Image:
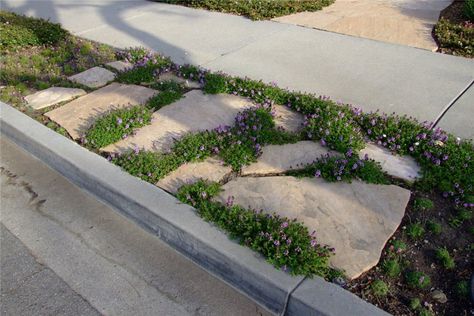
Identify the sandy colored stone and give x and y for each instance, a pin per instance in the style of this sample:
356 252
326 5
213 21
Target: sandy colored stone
194 113
52 96
77 116
120 65
169 76
287 119
93 78
406 22
403 167
281 158
210 169
357 218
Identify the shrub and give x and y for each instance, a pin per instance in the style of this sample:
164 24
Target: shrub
423 204
392 267
285 243
455 38
116 125
469 9
379 288
417 279
415 231
442 254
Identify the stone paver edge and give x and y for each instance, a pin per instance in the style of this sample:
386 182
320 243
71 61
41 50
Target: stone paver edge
177 224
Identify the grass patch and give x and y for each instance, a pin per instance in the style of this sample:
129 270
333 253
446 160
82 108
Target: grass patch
116 125
255 9
285 243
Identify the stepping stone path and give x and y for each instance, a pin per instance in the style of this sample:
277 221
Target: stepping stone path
280 158
403 167
287 119
194 113
357 218
120 65
52 96
79 115
93 78
169 76
210 169
406 22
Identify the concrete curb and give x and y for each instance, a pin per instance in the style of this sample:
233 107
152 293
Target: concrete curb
179 226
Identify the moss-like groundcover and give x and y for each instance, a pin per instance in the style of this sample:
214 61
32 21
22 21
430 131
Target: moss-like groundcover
255 9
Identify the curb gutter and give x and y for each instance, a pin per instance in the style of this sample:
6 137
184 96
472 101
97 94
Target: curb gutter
179 226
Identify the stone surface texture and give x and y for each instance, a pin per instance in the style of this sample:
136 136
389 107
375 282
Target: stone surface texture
169 76
78 115
193 113
355 218
406 22
93 78
210 169
403 167
288 119
120 65
52 96
281 158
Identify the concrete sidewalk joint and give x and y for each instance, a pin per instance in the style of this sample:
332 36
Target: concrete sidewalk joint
179 225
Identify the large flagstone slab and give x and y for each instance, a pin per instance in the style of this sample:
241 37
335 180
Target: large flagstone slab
77 116
51 96
288 119
357 218
120 65
93 78
403 167
281 158
211 169
194 113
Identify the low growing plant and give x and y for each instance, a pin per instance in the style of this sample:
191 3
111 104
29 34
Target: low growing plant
163 98
417 279
116 125
455 38
392 268
442 254
423 204
379 288
462 288
285 243
415 231
434 227
415 304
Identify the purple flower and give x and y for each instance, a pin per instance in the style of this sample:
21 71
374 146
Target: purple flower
323 142
318 173
201 148
288 241
338 178
119 121
276 243
284 225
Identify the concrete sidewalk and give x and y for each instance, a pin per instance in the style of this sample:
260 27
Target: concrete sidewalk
367 73
65 253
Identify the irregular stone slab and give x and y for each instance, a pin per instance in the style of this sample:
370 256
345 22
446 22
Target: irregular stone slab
93 78
281 158
78 116
357 218
210 169
403 167
407 22
169 76
120 65
289 120
194 113
52 96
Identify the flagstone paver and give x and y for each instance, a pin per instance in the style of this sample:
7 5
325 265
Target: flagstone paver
120 65
193 113
211 169
287 119
280 158
169 76
403 167
357 218
94 77
78 115
407 22
52 96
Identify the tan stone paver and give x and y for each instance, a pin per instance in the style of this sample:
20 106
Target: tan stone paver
280 158
51 96
403 167
78 115
194 113
357 218
120 65
288 119
211 169
94 77
169 76
406 22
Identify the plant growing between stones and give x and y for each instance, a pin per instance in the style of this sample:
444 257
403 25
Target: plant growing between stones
423 204
392 268
285 243
443 256
415 231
